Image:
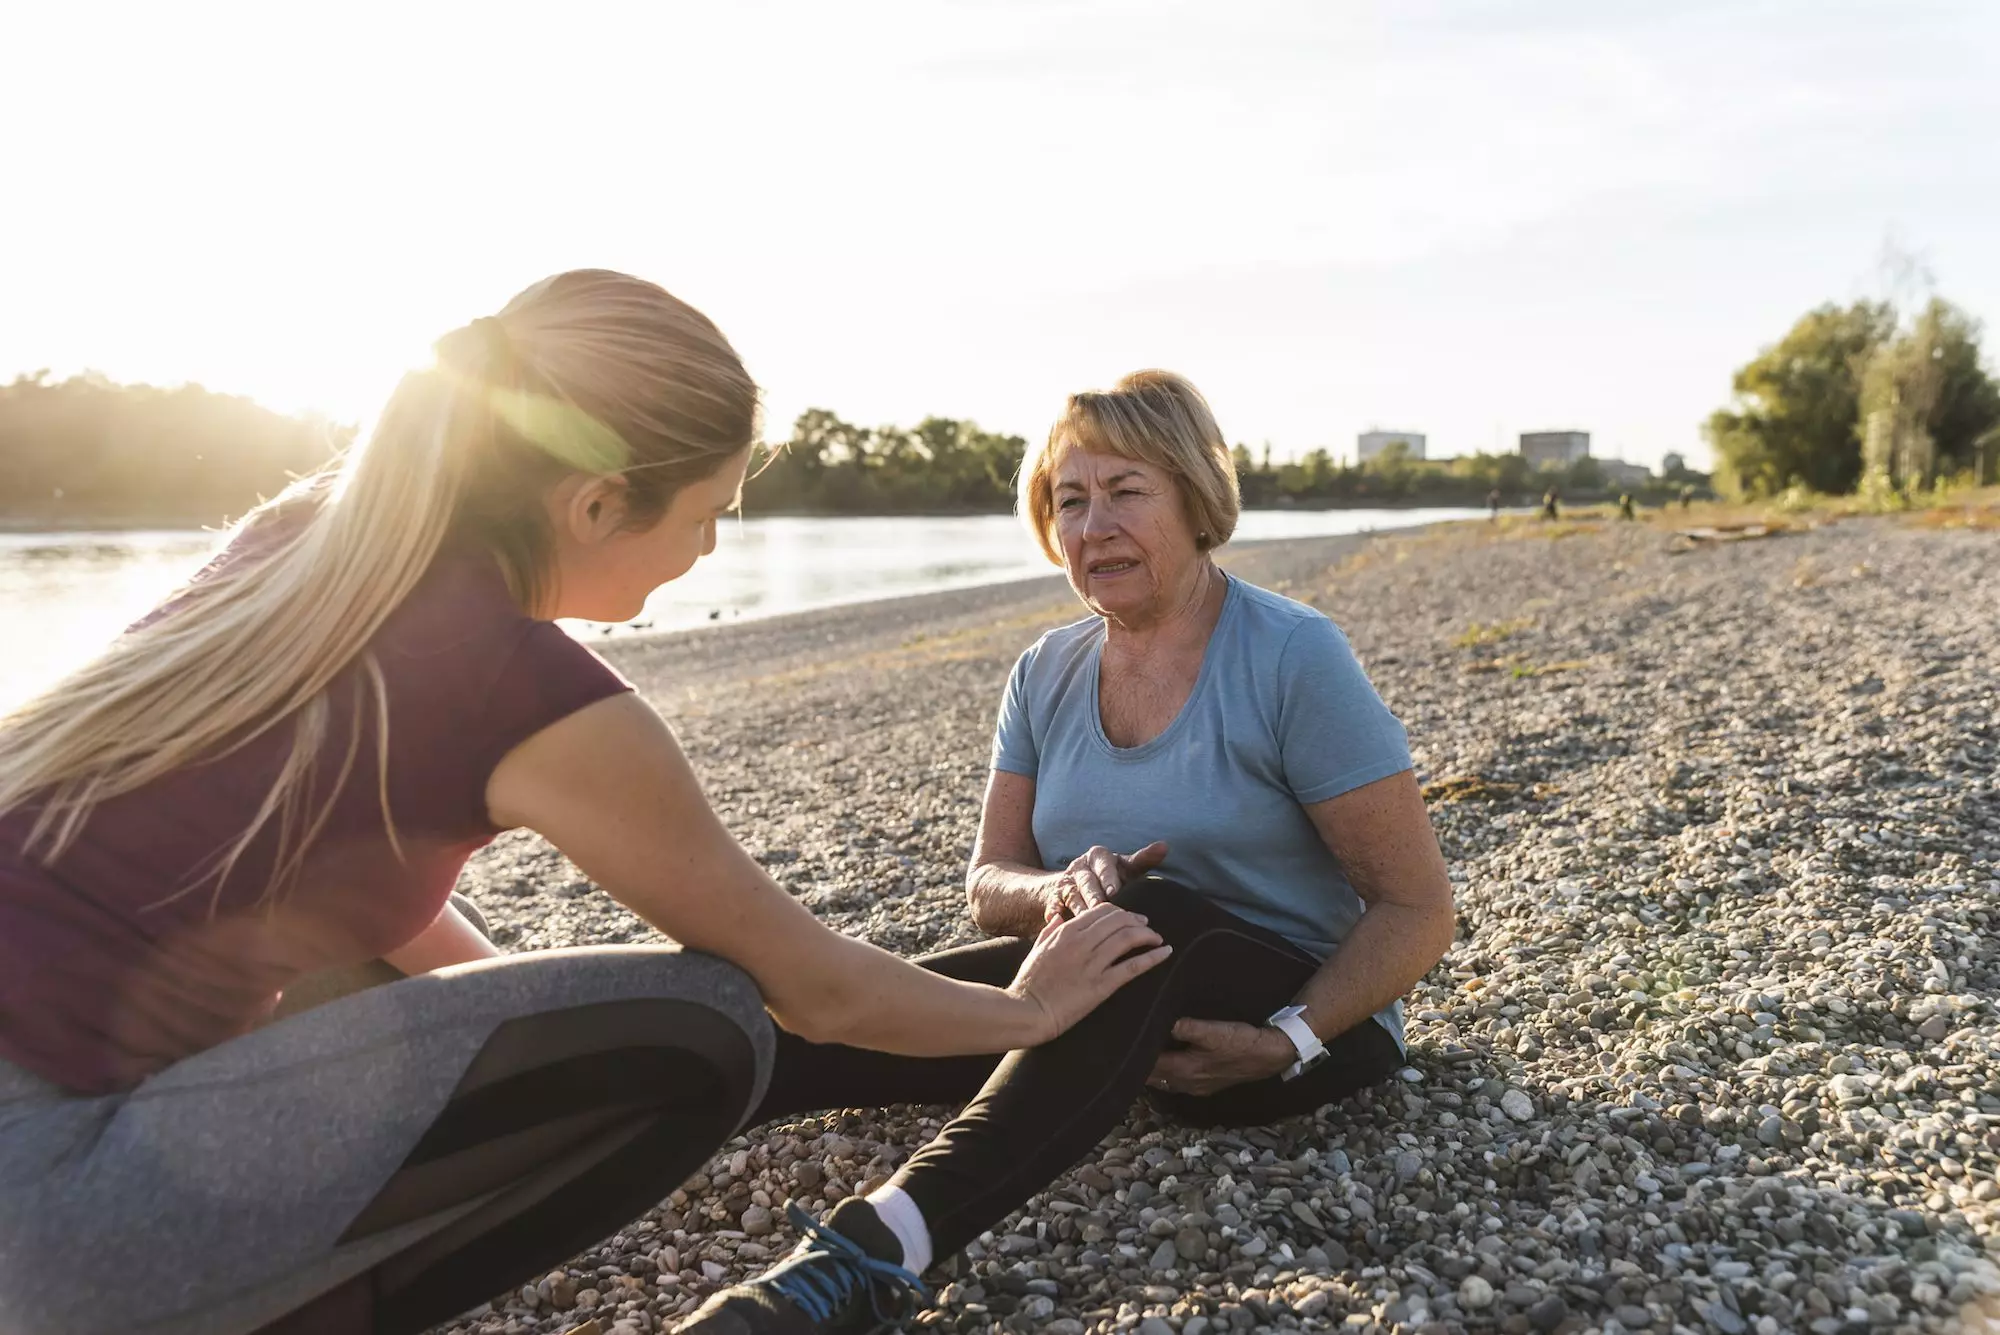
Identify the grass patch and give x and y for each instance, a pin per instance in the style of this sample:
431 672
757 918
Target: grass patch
1479 788
1959 516
1520 665
1470 788
1948 506
1481 633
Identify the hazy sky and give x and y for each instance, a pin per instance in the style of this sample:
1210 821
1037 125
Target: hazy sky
1464 218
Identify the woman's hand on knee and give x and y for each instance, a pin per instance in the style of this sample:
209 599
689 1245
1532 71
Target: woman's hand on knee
1078 962
1097 874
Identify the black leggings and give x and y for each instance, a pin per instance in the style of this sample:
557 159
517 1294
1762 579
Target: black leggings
515 1111
1032 1114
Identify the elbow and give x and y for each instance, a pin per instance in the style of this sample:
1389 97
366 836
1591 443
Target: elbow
831 1018
978 904
1443 932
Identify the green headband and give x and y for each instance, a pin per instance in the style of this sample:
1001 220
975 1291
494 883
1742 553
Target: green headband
563 431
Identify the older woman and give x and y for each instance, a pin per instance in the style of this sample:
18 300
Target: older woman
1227 738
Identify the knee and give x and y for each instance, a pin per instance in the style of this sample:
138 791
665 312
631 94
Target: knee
1170 908
657 997
723 987
731 994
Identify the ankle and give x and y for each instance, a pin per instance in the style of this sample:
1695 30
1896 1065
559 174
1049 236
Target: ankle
895 1209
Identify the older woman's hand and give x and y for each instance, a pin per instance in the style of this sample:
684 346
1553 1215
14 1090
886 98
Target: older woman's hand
1218 1054
1096 874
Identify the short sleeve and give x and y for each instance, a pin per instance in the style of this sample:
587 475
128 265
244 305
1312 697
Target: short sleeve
547 677
1334 732
1014 748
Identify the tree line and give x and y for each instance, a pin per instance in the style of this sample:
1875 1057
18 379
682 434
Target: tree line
87 451
1394 478
831 466
1862 398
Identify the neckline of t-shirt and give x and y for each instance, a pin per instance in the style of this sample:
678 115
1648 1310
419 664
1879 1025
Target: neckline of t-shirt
1230 597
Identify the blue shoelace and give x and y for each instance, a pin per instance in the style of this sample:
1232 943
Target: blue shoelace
824 1275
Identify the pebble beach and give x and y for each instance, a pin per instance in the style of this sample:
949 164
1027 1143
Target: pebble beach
1716 1047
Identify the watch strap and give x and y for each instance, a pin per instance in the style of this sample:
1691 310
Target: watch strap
1291 1023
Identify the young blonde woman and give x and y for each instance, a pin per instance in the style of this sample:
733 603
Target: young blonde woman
283 770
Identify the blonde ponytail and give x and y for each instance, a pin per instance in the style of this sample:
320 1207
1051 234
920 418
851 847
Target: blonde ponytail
587 371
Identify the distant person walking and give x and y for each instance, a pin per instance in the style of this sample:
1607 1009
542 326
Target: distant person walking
1493 504
1551 504
1687 497
1625 511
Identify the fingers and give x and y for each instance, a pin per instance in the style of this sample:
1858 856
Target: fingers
1095 875
1072 893
1173 1071
1202 1033
1130 967
1108 918
1105 874
1147 858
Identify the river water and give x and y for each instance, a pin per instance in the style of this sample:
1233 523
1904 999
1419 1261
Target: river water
64 595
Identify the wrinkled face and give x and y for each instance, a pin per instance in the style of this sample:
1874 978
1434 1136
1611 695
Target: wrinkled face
606 571
1128 546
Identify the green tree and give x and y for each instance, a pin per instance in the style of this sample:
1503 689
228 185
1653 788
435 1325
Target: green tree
1967 407
87 450
1798 405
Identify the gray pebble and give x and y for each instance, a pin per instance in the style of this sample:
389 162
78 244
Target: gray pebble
1548 1313
1692 887
1724 1318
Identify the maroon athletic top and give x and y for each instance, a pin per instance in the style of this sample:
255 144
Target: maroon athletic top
107 974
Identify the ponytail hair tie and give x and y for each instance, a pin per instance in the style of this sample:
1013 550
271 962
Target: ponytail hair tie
482 349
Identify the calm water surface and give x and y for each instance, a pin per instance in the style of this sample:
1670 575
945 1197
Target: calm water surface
63 595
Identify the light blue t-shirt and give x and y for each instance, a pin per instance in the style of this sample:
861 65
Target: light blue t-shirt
1281 716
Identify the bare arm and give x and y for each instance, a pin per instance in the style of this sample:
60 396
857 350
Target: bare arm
610 787
1009 892
1382 835
1006 887
449 940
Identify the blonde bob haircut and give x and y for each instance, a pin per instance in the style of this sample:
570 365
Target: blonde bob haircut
1156 417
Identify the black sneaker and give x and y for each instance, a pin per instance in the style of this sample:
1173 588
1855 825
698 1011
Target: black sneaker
838 1279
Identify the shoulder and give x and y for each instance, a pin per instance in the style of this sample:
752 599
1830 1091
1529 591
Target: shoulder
1280 630
1058 651
461 625
460 605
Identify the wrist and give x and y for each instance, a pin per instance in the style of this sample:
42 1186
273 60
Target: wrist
1275 1051
1289 1023
1034 1023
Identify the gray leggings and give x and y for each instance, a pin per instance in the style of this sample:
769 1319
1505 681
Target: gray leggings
372 1163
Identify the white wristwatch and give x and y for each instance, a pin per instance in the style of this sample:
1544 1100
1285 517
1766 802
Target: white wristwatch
1290 1023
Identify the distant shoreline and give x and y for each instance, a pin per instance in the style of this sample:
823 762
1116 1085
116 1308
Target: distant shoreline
182 524
91 524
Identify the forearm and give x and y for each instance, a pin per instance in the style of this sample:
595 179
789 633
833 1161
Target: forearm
449 940
866 997
828 987
1007 898
1389 951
